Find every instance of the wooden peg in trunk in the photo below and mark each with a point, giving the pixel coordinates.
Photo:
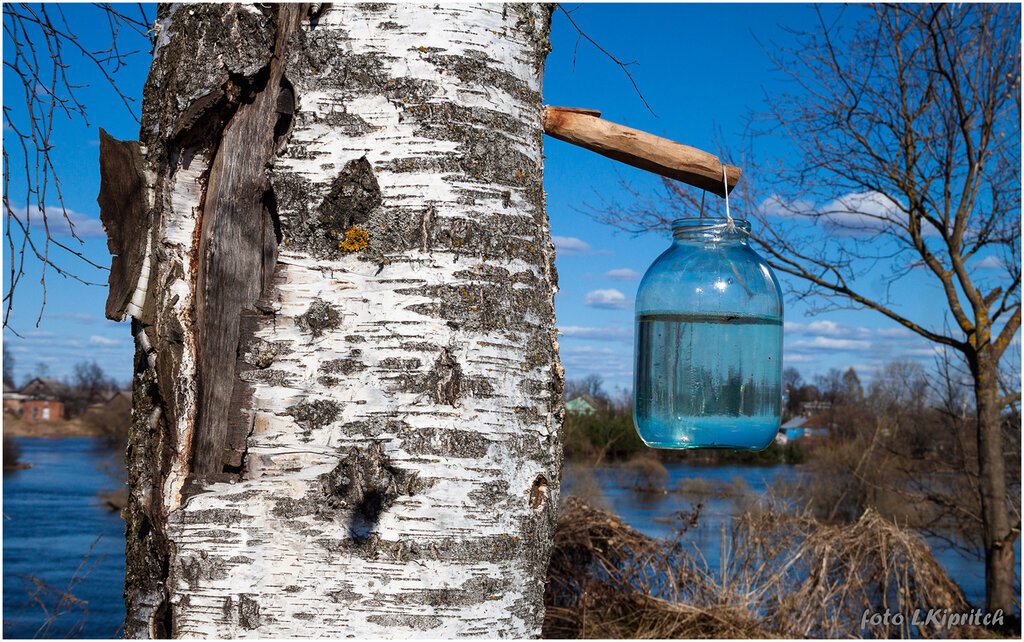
(585, 128)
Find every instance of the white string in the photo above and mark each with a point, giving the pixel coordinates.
(730, 224)
(717, 228)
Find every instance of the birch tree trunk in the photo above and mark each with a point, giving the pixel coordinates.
(347, 405)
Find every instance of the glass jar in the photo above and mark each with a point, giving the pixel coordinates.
(708, 369)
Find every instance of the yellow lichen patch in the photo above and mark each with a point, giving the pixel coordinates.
(355, 240)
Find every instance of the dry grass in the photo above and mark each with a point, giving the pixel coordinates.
(647, 472)
(56, 604)
(14, 426)
(785, 574)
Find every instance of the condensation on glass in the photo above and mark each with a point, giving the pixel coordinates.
(708, 367)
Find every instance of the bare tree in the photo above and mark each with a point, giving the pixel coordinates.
(39, 371)
(41, 45)
(591, 385)
(905, 121)
(87, 385)
(8, 366)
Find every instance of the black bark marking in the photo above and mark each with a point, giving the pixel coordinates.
(248, 612)
(240, 415)
(319, 318)
(445, 379)
(285, 110)
(313, 414)
(125, 217)
(163, 620)
(237, 250)
(343, 366)
(353, 195)
(149, 452)
(365, 483)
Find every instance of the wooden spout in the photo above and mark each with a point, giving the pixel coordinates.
(585, 128)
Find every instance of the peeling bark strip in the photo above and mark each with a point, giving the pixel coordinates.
(387, 401)
(237, 249)
(124, 212)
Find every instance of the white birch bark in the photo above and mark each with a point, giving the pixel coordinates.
(400, 475)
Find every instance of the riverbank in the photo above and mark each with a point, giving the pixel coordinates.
(18, 427)
(57, 508)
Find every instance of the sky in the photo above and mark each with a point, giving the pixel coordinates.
(702, 67)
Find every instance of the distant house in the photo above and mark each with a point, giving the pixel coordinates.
(118, 403)
(783, 435)
(44, 388)
(42, 399)
(13, 399)
(802, 428)
(580, 405)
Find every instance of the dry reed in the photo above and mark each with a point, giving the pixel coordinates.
(783, 574)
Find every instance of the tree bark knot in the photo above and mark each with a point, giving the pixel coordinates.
(314, 414)
(445, 379)
(320, 317)
(353, 195)
(365, 483)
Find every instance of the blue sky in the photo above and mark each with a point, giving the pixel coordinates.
(700, 66)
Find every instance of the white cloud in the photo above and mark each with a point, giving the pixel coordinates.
(59, 225)
(990, 263)
(623, 274)
(866, 368)
(572, 246)
(569, 245)
(828, 343)
(894, 333)
(862, 211)
(70, 346)
(868, 212)
(580, 361)
(777, 207)
(608, 333)
(81, 318)
(854, 214)
(589, 350)
(826, 328)
(823, 344)
(610, 299)
(932, 350)
(788, 359)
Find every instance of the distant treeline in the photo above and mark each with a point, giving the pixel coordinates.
(609, 434)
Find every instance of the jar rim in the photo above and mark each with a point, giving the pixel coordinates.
(708, 225)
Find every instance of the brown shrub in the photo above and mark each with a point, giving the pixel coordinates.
(784, 574)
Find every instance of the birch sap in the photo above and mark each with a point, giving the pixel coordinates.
(710, 380)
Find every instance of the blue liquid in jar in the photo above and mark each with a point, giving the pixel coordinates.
(708, 380)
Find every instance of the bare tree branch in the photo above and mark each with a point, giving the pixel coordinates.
(40, 47)
(622, 65)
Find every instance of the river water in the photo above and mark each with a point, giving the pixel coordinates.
(51, 518)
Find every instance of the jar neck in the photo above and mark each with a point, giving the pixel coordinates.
(710, 230)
